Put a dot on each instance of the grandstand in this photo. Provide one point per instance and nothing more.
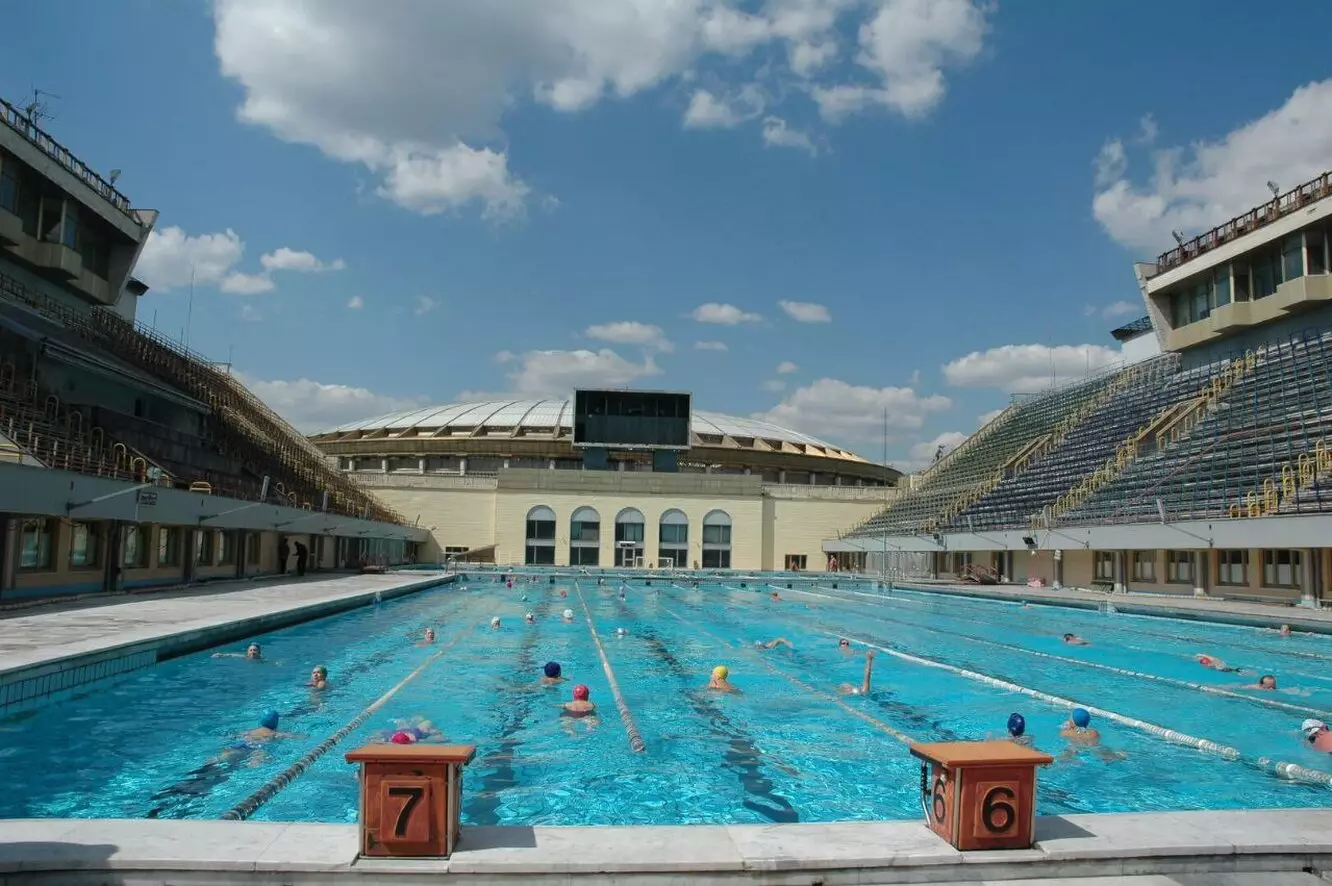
(1205, 470)
(127, 459)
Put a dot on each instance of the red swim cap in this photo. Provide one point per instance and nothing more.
(403, 737)
(581, 692)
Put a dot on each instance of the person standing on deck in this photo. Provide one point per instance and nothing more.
(302, 558)
(284, 550)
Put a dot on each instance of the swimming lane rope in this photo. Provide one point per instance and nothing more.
(630, 727)
(247, 807)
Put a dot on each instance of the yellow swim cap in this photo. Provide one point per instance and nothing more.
(720, 672)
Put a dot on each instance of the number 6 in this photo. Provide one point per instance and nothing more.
(940, 800)
(989, 806)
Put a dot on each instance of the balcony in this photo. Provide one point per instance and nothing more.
(11, 228)
(1228, 318)
(1303, 292)
(58, 260)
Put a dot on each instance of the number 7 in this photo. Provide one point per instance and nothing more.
(413, 796)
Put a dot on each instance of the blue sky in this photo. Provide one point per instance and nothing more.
(501, 196)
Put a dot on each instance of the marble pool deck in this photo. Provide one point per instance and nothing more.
(55, 650)
(1275, 847)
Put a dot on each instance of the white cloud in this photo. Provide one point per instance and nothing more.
(921, 455)
(416, 92)
(313, 406)
(1196, 188)
(1122, 309)
(630, 332)
(986, 417)
(709, 111)
(806, 311)
(1110, 164)
(238, 283)
(710, 346)
(557, 373)
(1028, 368)
(906, 46)
(774, 385)
(833, 408)
(250, 314)
(786, 367)
(287, 259)
(725, 315)
(914, 378)
(1147, 130)
(424, 305)
(171, 258)
(777, 134)
(356, 303)
(505, 357)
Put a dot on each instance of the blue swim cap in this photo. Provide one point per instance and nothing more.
(1017, 724)
(269, 720)
(552, 669)
(1081, 718)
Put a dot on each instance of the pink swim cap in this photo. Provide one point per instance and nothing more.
(402, 736)
(581, 692)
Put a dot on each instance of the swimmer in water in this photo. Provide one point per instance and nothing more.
(530, 618)
(720, 681)
(1078, 729)
(251, 653)
(775, 596)
(1075, 640)
(1318, 735)
(568, 616)
(411, 731)
(844, 646)
(581, 709)
(495, 623)
(563, 593)
(864, 687)
(551, 673)
(318, 677)
(1017, 730)
(1284, 631)
(1266, 682)
(773, 644)
(429, 637)
(1216, 664)
(621, 632)
(265, 732)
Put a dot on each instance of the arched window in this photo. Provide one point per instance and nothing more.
(629, 537)
(585, 537)
(673, 539)
(717, 540)
(540, 537)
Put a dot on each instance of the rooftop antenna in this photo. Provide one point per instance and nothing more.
(1272, 186)
(39, 110)
(114, 176)
(1179, 238)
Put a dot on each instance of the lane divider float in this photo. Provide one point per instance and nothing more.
(630, 727)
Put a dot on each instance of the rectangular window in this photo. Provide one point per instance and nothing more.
(1315, 251)
(83, 539)
(1240, 278)
(1179, 567)
(541, 529)
(226, 550)
(590, 532)
(204, 544)
(53, 215)
(1104, 566)
(136, 546)
(70, 233)
(168, 546)
(579, 556)
(253, 548)
(540, 555)
(1232, 568)
(36, 544)
(1144, 566)
(717, 559)
(1265, 271)
(1292, 257)
(716, 535)
(674, 534)
(1282, 569)
(1202, 301)
(632, 532)
(1221, 286)
(795, 562)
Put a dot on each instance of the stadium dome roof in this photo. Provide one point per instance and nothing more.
(531, 419)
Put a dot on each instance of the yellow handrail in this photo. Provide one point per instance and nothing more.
(1285, 485)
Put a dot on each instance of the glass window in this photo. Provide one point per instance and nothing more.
(168, 546)
(716, 535)
(541, 529)
(9, 185)
(582, 531)
(252, 549)
(1315, 251)
(629, 532)
(36, 541)
(1202, 301)
(717, 559)
(136, 546)
(674, 534)
(1144, 566)
(1232, 567)
(83, 538)
(1282, 569)
(1240, 280)
(52, 217)
(1105, 566)
(1221, 286)
(540, 555)
(226, 550)
(584, 556)
(796, 562)
(1179, 567)
(1292, 257)
(204, 544)
(1265, 275)
(70, 233)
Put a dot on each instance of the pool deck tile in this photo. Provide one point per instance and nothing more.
(1127, 835)
(667, 848)
(310, 847)
(839, 845)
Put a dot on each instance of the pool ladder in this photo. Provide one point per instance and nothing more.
(1108, 608)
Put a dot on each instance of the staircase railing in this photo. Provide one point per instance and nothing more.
(1293, 478)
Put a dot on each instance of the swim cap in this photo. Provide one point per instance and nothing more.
(552, 669)
(1081, 718)
(721, 672)
(269, 720)
(581, 692)
(402, 736)
(495, 620)
(530, 617)
(1312, 727)
(1017, 724)
(568, 613)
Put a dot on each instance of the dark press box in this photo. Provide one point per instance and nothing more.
(631, 419)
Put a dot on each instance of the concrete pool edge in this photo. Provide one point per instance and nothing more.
(49, 678)
(72, 851)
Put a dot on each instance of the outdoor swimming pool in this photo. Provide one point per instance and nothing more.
(789, 748)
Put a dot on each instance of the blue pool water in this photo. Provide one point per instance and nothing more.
(787, 749)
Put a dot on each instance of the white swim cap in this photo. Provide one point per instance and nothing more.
(529, 616)
(621, 631)
(1312, 727)
(495, 620)
(568, 613)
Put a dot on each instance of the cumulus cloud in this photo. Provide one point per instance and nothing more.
(424, 305)
(356, 303)
(238, 283)
(630, 332)
(786, 367)
(557, 373)
(831, 408)
(172, 259)
(416, 91)
(776, 133)
(806, 311)
(921, 454)
(1028, 368)
(723, 314)
(250, 314)
(986, 417)
(1122, 309)
(1193, 189)
(312, 406)
(710, 346)
(710, 111)
(774, 385)
(286, 259)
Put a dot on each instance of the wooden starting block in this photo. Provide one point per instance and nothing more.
(980, 794)
(411, 798)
